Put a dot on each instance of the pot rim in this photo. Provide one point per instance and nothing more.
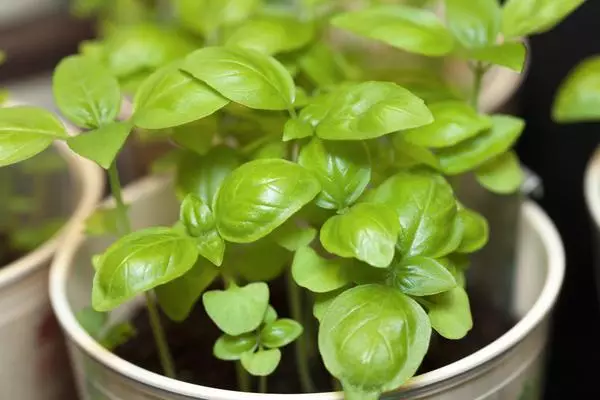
(591, 187)
(91, 180)
(62, 264)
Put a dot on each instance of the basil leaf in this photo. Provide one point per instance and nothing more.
(85, 92)
(323, 301)
(270, 315)
(407, 28)
(292, 237)
(474, 23)
(204, 175)
(280, 333)
(343, 168)
(139, 262)
(101, 145)
(373, 339)
(261, 363)
(322, 65)
(237, 310)
(424, 201)
(25, 132)
(421, 276)
(318, 274)
(476, 231)
(199, 222)
(272, 34)
(408, 155)
(260, 196)
(364, 111)
(258, 261)
(525, 17)
(296, 129)
(169, 98)
(178, 297)
(231, 348)
(92, 321)
(252, 79)
(578, 98)
(454, 122)
(502, 175)
(450, 313)
(144, 48)
(117, 335)
(510, 55)
(475, 152)
(368, 232)
(197, 136)
(205, 17)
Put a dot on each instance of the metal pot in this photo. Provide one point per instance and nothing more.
(509, 368)
(34, 365)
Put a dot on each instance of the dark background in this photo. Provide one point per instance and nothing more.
(559, 154)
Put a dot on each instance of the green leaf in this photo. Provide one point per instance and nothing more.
(477, 151)
(101, 145)
(144, 48)
(178, 297)
(450, 313)
(263, 261)
(502, 175)
(368, 232)
(578, 98)
(474, 23)
(323, 301)
(454, 122)
(526, 17)
(139, 262)
(421, 276)
(252, 79)
(270, 315)
(364, 111)
(292, 237)
(261, 363)
(104, 221)
(408, 28)
(322, 65)
(205, 17)
(296, 129)
(511, 55)
(318, 274)
(272, 34)
(25, 132)
(231, 348)
(476, 231)
(203, 175)
(200, 223)
(117, 335)
(280, 333)
(92, 321)
(197, 136)
(237, 310)
(407, 155)
(260, 196)
(85, 92)
(425, 203)
(373, 338)
(169, 98)
(343, 168)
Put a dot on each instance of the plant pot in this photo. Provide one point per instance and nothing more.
(34, 365)
(507, 368)
(592, 199)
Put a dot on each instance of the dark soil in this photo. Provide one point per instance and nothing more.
(191, 343)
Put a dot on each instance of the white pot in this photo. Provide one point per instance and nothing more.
(14, 12)
(33, 361)
(503, 370)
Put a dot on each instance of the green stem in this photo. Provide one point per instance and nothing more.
(158, 331)
(295, 302)
(243, 378)
(262, 384)
(479, 71)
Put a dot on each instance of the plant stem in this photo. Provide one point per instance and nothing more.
(295, 302)
(166, 360)
(158, 331)
(262, 384)
(479, 71)
(243, 378)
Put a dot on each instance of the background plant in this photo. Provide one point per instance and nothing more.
(280, 139)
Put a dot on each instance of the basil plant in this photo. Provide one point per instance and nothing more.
(291, 160)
